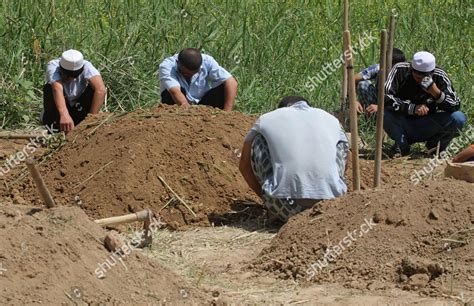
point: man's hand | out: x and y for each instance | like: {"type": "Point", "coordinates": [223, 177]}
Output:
{"type": "Point", "coordinates": [434, 91]}
{"type": "Point", "coordinates": [372, 109]}
{"type": "Point", "coordinates": [359, 107]}
{"type": "Point", "coordinates": [66, 123]}
{"type": "Point", "coordinates": [422, 110]}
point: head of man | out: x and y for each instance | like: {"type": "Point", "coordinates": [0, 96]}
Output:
{"type": "Point", "coordinates": [71, 64]}
{"type": "Point", "coordinates": [189, 62]}
{"type": "Point", "coordinates": [422, 65]}
{"type": "Point", "coordinates": [398, 56]}
{"type": "Point", "coordinates": [290, 100]}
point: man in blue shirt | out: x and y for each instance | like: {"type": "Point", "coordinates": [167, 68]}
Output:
{"type": "Point", "coordinates": [191, 78]}
{"type": "Point", "coordinates": [366, 82]}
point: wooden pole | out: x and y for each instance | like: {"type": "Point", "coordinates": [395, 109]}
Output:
{"type": "Point", "coordinates": [352, 111]}
{"type": "Point", "coordinates": [8, 135]}
{"type": "Point", "coordinates": [40, 184]}
{"type": "Point", "coordinates": [380, 108]}
{"type": "Point", "coordinates": [344, 71]}
{"type": "Point", "coordinates": [143, 215]}
{"type": "Point", "coordinates": [391, 37]}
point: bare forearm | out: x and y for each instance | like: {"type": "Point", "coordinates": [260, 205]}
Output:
{"type": "Point", "coordinates": [245, 167]}
{"type": "Point", "coordinates": [464, 155]}
{"type": "Point", "coordinates": [59, 100]}
{"type": "Point", "coordinates": [178, 97]}
{"type": "Point", "coordinates": [230, 92]}
{"type": "Point", "coordinates": [97, 101]}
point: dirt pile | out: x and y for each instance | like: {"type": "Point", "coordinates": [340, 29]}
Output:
{"type": "Point", "coordinates": [415, 238]}
{"type": "Point", "coordinates": [51, 257]}
{"type": "Point", "coordinates": [113, 163]}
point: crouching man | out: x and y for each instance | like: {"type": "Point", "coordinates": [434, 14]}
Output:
{"type": "Point", "coordinates": [295, 156]}
{"type": "Point", "coordinates": [74, 89]}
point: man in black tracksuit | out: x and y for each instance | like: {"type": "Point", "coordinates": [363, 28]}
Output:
{"type": "Point", "coordinates": [421, 105]}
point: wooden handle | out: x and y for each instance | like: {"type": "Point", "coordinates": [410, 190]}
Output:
{"type": "Point", "coordinates": [39, 182]}
{"type": "Point", "coordinates": [138, 216]}
{"type": "Point", "coordinates": [9, 135]}
{"type": "Point", "coordinates": [353, 111]}
{"type": "Point", "coordinates": [380, 108]}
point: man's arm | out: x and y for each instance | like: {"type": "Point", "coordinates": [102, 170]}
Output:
{"type": "Point", "coordinates": [392, 87]}
{"type": "Point", "coordinates": [358, 77]}
{"type": "Point", "coordinates": [443, 92]}
{"type": "Point", "coordinates": [98, 98]}
{"type": "Point", "coordinates": [66, 123]}
{"type": "Point", "coordinates": [464, 155]}
{"type": "Point", "coordinates": [171, 83]}
{"type": "Point", "coordinates": [245, 167]}
{"type": "Point", "coordinates": [230, 92]}
{"type": "Point", "coordinates": [178, 97]}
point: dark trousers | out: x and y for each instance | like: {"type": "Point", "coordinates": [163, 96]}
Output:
{"type": "Point", "coordinates": [214, 97]}
{"type": "Point", "coordinates": [78, 111]}
{"type": "Point", "coordinates": [438, 127]}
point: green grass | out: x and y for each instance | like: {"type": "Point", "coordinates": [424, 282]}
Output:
{"type": "Point", "coordinates": [272, 47]}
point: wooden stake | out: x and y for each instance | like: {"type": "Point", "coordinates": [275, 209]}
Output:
{"type": "Point", "coordinates": [391, 37]}
{"type": "Point", "coordinates": [380, 108]}
{"type": "Point", "coordinates": [344, 70]}
{"type": "Point", "coordinates": [9, 135]}
{"type": "Point", "coordinates": [352, 111]}
{"type": "Point", "coordinates": [143, 215]}
{"type": "Point", "coordinates": [40, 184]}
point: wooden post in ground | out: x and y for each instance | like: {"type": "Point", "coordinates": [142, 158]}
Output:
{"type": "Point", "coordinates": [380, 108]}
{"type": "Point", "coordinates": [352, 111]}
{"type": "Point", "coordinates": [344, 70]}
{"type": "Point", "coordinates": [40, 184]}
{"type": "Point", "coordinates": [391, 37]}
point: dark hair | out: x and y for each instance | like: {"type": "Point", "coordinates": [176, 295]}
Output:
{"type": "Point", "coordinates": [190, 58]}
{"type": "Point", "coordinates": [398, 56]}
{"type": "Point", "coordinates": [290, 100]}
{"type": "Point", "coordinates": [71, 73]}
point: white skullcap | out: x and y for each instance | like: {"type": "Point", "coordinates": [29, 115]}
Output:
{"type": "Point", "coordinates": [71, 60]}
{"type": "Point", "coordinates": [423, 61]}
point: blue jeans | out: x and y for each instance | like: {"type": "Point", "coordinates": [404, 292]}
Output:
{"type": "Point", "coordinates": [438, 127]}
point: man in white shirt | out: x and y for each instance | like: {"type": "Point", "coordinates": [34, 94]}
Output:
{"type": "Point", "coordinates": [192, 78]}
{"type": "Point", "coordinates": [295, 156]}
{"type": "Point", "coordinates": [74, 89]}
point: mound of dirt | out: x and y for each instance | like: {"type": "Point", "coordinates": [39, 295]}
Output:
{"type": "Point", "coordinates": [51, 257]}
{"type": "Point", "coordinates": [412, 238]}
{"type": "Point", "coordinates": [116, 164]}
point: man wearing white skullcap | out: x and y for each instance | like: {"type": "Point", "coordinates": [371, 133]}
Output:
{"type": "Point", "coordinates": [421, 105]}
{"type": "Point", "coordinates": [74, 89]}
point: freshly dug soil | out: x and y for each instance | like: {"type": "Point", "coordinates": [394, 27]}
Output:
{"type": "Point", "coordinates": [112, 165]}
{"type": "Point", "coordinates": [420, 239]}
{"type": "Point", "coordinates": [50, 257]}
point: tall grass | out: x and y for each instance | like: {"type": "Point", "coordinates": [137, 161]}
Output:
{"type": "Point", "coordinates": [272, 47]}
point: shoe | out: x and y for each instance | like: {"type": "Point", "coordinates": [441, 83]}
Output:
{"type": "Point", "coordinates": [397, 152]}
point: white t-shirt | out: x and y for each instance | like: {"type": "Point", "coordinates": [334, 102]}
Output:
{"type": "Point", "coordinates": [74, 88]}
{"type": "Point", "coordinates": [302, 142]}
